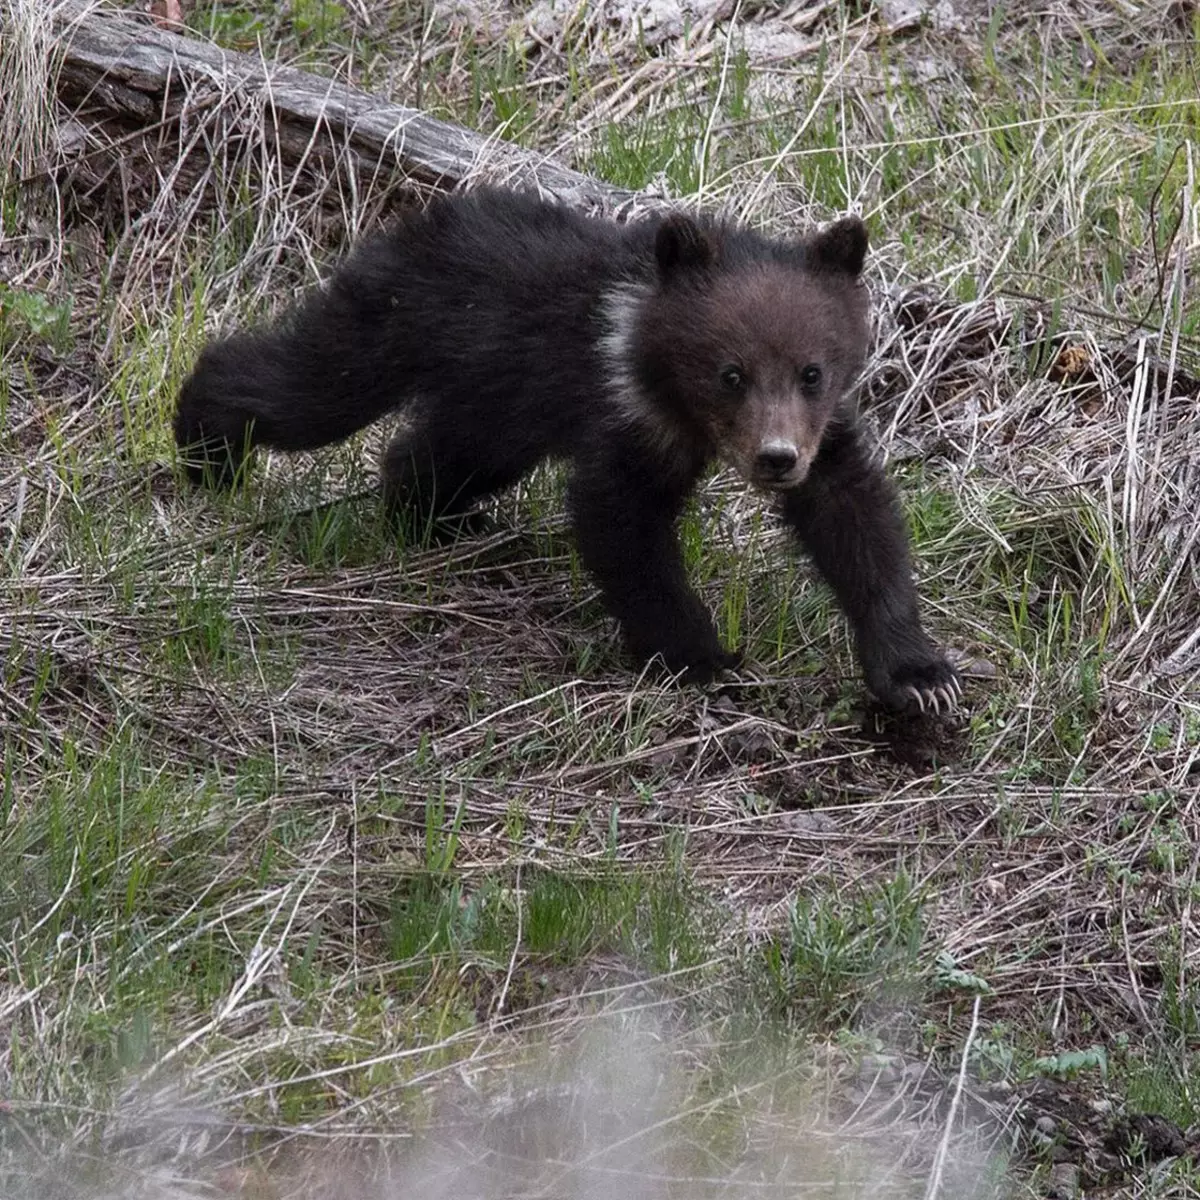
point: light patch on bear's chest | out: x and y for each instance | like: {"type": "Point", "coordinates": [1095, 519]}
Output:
{"type": "Point", "coordinates": [631, 406]}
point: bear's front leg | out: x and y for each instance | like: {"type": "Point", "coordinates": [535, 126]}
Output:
{"type": "Point", "coordinates": [624, 520]}
{"type": "Point", "coordinates": [846, 516]}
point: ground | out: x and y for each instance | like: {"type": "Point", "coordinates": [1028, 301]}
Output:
{"type": "Point", "coordinates": [337, 865]}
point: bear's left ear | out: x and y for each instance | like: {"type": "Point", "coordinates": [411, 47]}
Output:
{"type": "Point", "coordinates": [840, 247]}
{"type": "Point", "coordinates": [681, 244]}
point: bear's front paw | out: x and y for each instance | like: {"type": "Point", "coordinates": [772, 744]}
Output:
{"type": "Point", "coordinates": [914, 679]}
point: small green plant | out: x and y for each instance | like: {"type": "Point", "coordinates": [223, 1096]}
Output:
{"type": "Point", "coordinates": [993, 1056]}
{"type": "Point", "coordinates": [317, 20]}
{"type": "Point", "coordinates": [500, 93]}
{"type": "Point", "coordinates": [634, 152]}
{"type": "Point", "coordinates": [25, 311]}
{"type": "Point", "coordinates": [441, 840]}
{"type": "Point", "coordinates": [1159, 1082]}
{"type": "Point", "coordinates": [204, 630]}
{"type": "Point", "coordinates": [237, 24]}
{"type": "Point", "coordinates": [947, 974]}
{"type": "Point", "coordinates": [1070, 1063]}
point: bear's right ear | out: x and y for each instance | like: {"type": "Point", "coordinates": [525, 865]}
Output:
{"type": "Point", "coordinates": [840, 247]}
{"type": "Point", "coordinates": [682, 245]}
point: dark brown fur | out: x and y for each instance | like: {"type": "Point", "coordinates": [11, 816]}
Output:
{"type": "Point", "coordinates": [510, 330]}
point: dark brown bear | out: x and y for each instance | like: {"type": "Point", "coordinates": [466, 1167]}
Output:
{"type": "Point", "coordinates": [510, 330]}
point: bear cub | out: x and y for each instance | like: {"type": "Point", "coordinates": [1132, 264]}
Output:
{"type": "Point", "coordinates": [508, 330]}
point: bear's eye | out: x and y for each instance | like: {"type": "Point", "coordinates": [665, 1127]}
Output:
{"type": "Point", "coordinates": [733, 378]}
{"type": "Point", "coordinates": [810, 377]}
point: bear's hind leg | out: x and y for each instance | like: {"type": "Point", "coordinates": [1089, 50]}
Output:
{"type": "Point", "coordinates": [431, 483]}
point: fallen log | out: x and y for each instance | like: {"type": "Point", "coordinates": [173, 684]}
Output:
{"type": "Point", "coordinates": [137, 92]}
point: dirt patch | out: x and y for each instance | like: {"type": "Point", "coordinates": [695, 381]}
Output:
{"type": "Point", "coordinates": [923, 741]}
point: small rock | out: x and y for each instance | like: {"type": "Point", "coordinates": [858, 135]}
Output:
{"type": "Point", "coordinates": [1064, 1181]}
{"type": "Point", "coordinates": [666, 758]}
{"type": "Point", "coordinates": [877, 1068]}
{"type": "Point", "coordinates": [1045, 1124]}
{"type": "Point", "coordinates": [899, 15]}
{"type": "Point", "coordinates": [655, 21]}
{"type": "Point", "coordinates": [776, 43]}
{"type": "Point", "coordinates": [1102, 1107]}
{"type": "Point", "coordinates": [750, 745]}
{"type": "Point", "coordinates": [995, 888]}
{"type": "Point", "coordinates": [1071, 363]}
{"type": "Point", "coordinates": [805, 823]}
{"type": "Point", "coordinates": [1030, 592]}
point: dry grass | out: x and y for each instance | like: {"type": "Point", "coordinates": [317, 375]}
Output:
{"type": "Point", "coordinates": [236, 732]}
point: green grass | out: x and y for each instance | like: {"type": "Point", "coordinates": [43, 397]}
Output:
{"type": "Point", "coordinates": [841, 954]}
{"type": "Point", "coordinates": [339, 835]}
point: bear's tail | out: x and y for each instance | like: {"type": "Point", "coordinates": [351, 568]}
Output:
{"type": "Point", "coordinates": [313, 379]}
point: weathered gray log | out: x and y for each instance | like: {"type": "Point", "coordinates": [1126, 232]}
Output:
{"type": "Point", "coordinates": [127, 73]}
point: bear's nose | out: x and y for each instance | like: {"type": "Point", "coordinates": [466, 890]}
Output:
{"type": "Point", "coordinates": [776, 458]}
